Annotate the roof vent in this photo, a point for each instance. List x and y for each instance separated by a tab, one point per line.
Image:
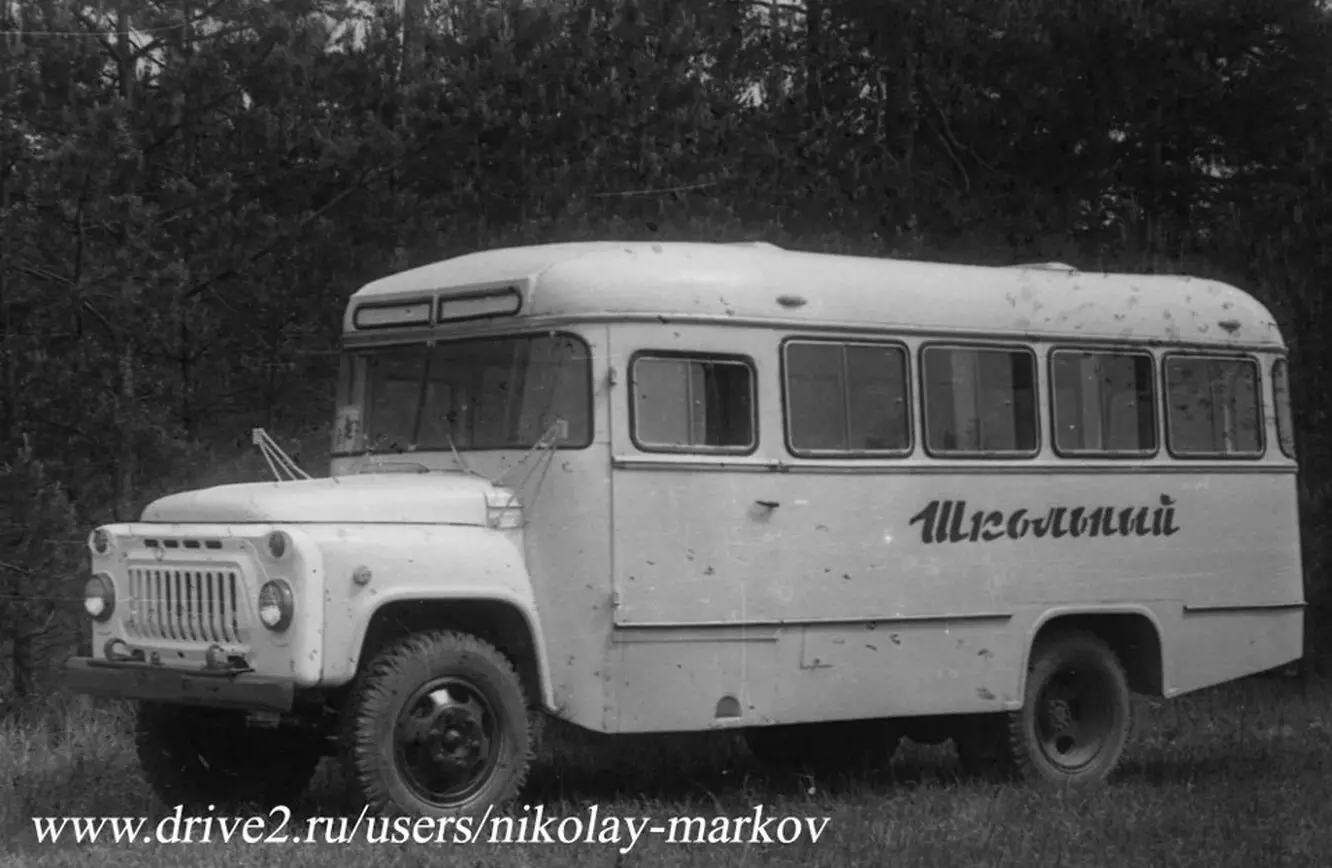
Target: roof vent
760	244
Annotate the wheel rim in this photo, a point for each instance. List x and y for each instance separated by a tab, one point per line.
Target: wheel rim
1076	718
446	742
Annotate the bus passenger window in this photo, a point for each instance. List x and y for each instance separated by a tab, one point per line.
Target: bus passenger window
847	398
702	404
1104	403
1213	407
980	402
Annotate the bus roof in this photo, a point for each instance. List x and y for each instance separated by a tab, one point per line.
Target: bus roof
759	282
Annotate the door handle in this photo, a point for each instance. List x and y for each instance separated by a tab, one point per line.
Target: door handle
770	504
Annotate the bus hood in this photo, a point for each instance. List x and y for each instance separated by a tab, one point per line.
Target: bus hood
384	498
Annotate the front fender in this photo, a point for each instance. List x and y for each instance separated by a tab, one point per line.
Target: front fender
410	563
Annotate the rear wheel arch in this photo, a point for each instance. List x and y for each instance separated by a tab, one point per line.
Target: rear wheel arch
1132	634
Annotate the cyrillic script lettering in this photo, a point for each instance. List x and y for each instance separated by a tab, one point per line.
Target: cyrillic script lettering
949	521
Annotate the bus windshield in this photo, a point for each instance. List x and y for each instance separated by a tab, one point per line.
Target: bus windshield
488	393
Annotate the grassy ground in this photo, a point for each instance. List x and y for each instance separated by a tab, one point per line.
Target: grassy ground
1237	776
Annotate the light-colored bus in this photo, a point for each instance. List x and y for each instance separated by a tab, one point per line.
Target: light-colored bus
827	501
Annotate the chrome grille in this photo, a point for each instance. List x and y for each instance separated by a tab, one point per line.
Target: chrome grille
185	605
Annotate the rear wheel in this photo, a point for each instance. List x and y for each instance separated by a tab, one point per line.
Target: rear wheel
438	725
1077	713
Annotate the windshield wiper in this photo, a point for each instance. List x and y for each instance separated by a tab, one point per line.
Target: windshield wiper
462	465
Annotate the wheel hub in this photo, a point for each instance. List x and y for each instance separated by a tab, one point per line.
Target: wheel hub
1060	714
456	739
1073	725
444	741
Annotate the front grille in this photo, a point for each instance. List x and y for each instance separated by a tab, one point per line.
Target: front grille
185	605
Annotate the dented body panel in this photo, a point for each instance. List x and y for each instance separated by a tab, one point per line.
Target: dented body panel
913	586
185	587
416	563
389	498
748	285
682	590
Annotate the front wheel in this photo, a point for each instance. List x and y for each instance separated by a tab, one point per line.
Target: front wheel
438	725
1077	713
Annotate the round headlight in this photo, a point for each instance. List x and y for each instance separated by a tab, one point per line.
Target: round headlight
278	543
99	541
99	597
276	605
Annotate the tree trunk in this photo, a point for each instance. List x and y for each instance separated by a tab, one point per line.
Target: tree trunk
125	417
814	60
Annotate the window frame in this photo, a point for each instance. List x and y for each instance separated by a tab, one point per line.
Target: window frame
843	344
389	304
981	345
1258	384
744	360
428	345
1157	386
1293	452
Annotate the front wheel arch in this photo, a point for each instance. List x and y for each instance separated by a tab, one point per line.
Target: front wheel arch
501	623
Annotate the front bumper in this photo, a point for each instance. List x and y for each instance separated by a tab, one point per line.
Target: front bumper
151	683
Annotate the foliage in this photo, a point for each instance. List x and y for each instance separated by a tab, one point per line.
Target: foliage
189	190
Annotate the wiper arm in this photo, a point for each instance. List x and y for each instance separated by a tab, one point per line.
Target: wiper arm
457	456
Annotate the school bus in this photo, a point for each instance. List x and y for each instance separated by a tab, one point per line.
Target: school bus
828	502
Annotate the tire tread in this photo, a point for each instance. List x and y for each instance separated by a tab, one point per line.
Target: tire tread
1016	757
378	688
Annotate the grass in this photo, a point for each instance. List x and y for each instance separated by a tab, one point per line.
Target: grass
1235	776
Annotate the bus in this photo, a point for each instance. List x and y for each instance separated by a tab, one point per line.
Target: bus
827	502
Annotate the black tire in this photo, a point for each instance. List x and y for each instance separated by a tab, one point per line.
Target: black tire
1076	716
481	730
824	746
199	757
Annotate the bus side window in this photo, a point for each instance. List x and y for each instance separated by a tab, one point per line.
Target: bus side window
1212	407
980	402
1285	422
847	398
1104	403
693	404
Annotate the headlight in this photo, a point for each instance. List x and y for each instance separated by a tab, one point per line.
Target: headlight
99	597
278	543
275	605
99	541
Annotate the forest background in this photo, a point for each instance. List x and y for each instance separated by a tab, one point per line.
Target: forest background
190	189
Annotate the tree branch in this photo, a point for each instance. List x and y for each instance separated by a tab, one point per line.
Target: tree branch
660	190
281	237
